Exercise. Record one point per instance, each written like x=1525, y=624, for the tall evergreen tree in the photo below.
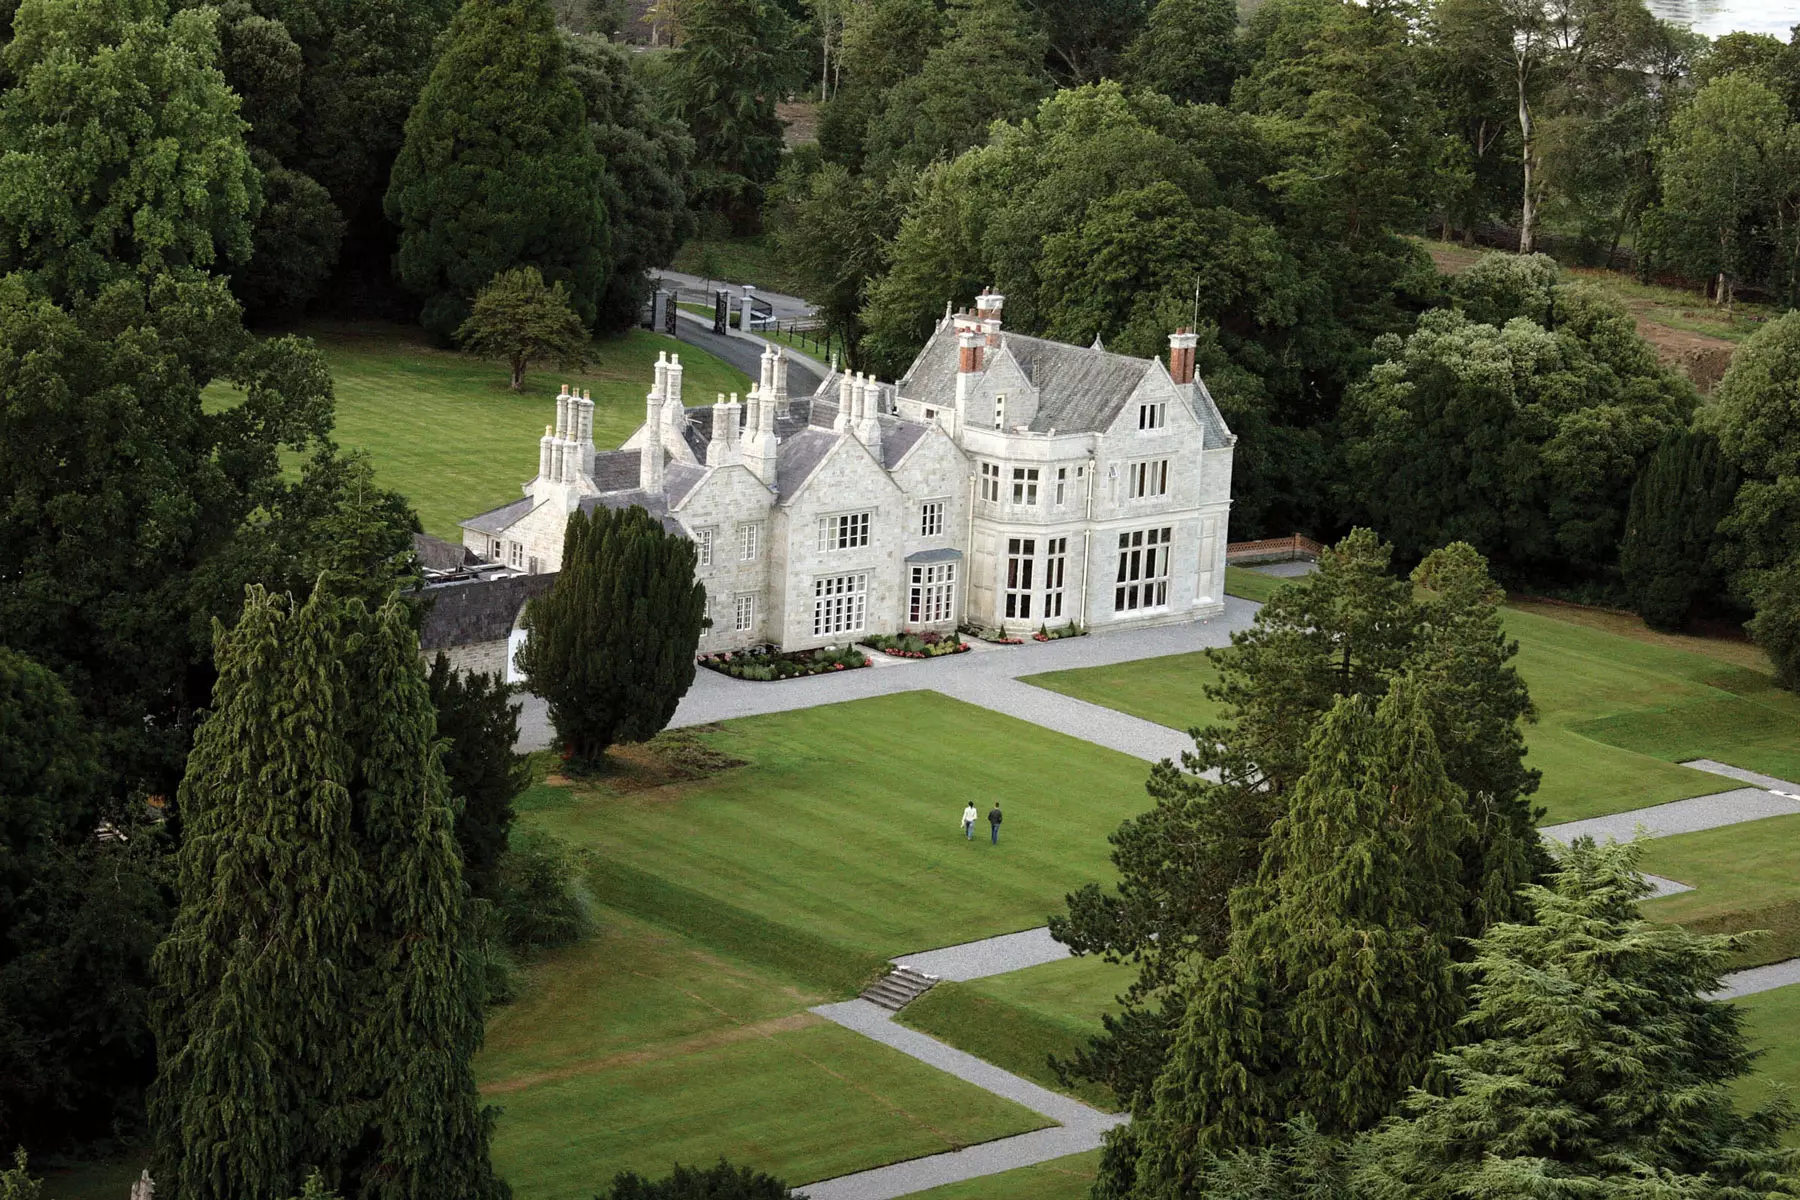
x=612, y=645
x=476, y=715
x=1337, y=986
x=1666, y=560
x=317, y=1004
x=498, y=169
x=1597, y=1063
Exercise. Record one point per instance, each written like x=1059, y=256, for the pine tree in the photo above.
x=611, y=647
x=317, y=1006
x=1684, y=491
x=476, y=716
x=1599, y=1065
x=725, y=77
x=1338, y=985
x=498, y=169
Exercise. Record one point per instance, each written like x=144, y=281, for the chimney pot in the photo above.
x=1181, y=354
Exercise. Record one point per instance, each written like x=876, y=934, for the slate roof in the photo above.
x=897, y=437
x=679, y=480
x=476, y=610
x=1080, y=390
x=945, y=554
x=1217, y=436
x=436, y=554
x=799, y=456
x=497, y=520
x=616, y=470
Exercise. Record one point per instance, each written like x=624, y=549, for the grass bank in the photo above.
x=1744, y=877
x=1059, y=1179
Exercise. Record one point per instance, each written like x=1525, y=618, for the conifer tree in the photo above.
x=1676, y=505
x=1337, y=986
x=317, y=1005
x=1599, y=1065
x=498, y=169
x=612, y=645
x=476, y=715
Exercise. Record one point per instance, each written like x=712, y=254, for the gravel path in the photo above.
x=1081, y=1126
x=1681, y=816
x=990, y=956
x=1752, y=980
x=1714, y=767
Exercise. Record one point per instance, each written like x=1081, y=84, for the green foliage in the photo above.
x=612, y=645
x=1595, y=1062
x=476, y=715
x=120, y=496
x=1188, y=51
x=536, y=892
x=1666, y=560
x=16, y=1183
x=1349, y=631
x=1520, y=440
x=884, y=42
x=1755, y=412
x=833, y=227
x=498, y=169
x=294, y=246
x=649, y=167
x=322, y=938
x=1776, y=625
x=1084, y=39
x=719, y=1182
x=1499, y=287
x=125, y=151
x=726, y=75
x=988, y=68
x=519, y=319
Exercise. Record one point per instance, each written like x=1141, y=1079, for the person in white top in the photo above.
x=969, y=816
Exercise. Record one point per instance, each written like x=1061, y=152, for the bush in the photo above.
x=540, y=902
x=720, y=1182
x=766, y=664
x=906, y=644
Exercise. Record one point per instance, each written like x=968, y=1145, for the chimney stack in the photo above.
x=781, y=389
x=1181, y=355
x=759, y=440
x=844, y=415
x=988, y=306
x=650, y=458
x=718, y=450
x=868, y=423
x=991, y=327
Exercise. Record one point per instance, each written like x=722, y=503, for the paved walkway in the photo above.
x=990, y=956
x=1081, y=1126
x=987, y=677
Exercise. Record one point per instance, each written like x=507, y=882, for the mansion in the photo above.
x=1003, y=481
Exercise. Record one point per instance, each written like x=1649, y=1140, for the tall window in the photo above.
x=839, y=602
x=990, y=481
x=749, y=539
x=703, y=541
x=1150, y=478
x=1000, y=410
x=1062, y=486
x=1152, y=416
x=931, y=518
x=1143, y=580
x=933, y=595
x=743, y=617
x=1025, y=481
x=1056, y=559
x=846, y=531
x=516, y=555
x=494, y=550
x=532, y=566
x=1021, y=554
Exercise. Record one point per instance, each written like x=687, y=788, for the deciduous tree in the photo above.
x=498, y=169
x=521, y=320
x=1755, y=413
x=1188, y=51
x=611, y=647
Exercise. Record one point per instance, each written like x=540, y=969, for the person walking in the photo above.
x=969, y=815
x=994, y=823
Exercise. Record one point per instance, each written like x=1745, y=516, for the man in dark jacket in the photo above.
x=994, y=823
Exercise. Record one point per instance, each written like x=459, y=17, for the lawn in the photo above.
x=1744, y=877
x=755, y=260
x=1617, y=710
x=1059, y=1179
x=444, y=429
x=840, y=838
x=638, y=1049
x=1020, y=1019
x=1772, y=1022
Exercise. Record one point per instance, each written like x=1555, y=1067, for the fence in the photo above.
x=1287, y=549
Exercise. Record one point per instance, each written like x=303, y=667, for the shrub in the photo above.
x=540, y=900
x=765, y=664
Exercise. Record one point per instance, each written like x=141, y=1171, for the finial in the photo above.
x=586, y=395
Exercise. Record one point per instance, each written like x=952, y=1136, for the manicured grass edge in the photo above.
x=1778, y=924
x=1013, y=1038
x=719, y=926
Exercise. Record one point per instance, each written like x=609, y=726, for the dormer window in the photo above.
x=1153, y=415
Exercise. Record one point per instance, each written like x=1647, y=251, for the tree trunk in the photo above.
x=518, y=374
x=1528, y=152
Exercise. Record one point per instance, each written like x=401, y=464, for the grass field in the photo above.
x=1772, y=1022
x=444, y=429
x=1618, y=707
x=1018, y=1020
x=1060, y=1179
x=1745, y=877
x=755, y=260
x=639, y=1048
x=852, y=810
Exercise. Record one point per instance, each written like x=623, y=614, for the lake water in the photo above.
x=1714, y=17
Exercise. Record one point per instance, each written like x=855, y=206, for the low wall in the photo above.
x=1268, y=550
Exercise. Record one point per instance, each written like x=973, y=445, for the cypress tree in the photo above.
x=1684, y=491
x=498, y=169
x=1337, y=987
x=317, y=1004
x=612, y=645
x=1597, y=1066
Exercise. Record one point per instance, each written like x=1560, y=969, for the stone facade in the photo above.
x=1003, y=481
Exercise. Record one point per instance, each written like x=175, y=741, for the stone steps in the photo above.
x=898, y=988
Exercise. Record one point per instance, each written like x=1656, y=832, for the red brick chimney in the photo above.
x=969, y=346
x=1181, y=355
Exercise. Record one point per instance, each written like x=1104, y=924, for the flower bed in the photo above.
x=1061, y=631
x=996, y=636
x=766, y=665
x=907, y=644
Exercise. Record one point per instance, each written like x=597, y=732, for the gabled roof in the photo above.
x=1080, y=390
x=680, y=480
x=616, y=470
x=799, y=456
x=498, y=520
x=897, y=438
